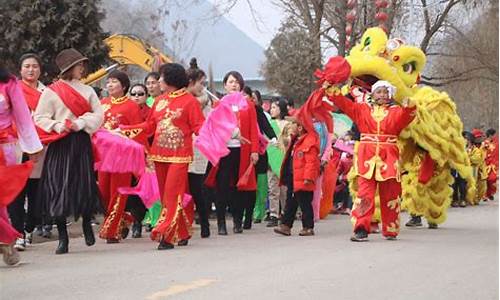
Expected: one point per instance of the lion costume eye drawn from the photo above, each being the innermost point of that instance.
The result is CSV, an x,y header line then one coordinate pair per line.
x,y
409,67
367,43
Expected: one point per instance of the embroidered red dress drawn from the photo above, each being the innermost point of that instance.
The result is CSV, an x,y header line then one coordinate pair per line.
x,y
174,118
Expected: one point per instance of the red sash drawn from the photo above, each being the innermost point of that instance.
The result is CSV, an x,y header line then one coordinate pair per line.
x,y
31,95
73,100
12,179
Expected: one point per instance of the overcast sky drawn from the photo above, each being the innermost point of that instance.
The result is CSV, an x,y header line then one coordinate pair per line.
x,y
269,15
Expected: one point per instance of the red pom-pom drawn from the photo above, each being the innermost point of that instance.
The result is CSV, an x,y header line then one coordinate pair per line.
x,y
336,70
381,16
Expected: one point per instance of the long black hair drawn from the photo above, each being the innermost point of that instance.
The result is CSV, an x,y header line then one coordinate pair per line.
x,y
283,105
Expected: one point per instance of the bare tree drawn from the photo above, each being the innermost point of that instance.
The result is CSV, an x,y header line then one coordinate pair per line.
x,y
363,14
466,65
281,69
434,21
143,21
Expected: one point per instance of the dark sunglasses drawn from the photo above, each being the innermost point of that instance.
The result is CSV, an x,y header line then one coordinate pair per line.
x,y
137,94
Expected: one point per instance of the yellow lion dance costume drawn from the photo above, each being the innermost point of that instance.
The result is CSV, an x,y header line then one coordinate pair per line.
x,y
436,131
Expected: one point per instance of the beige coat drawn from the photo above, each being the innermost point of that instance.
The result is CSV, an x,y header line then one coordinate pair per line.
x,y
51,113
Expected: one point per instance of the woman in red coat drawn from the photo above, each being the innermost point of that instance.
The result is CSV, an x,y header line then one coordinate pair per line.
x,y
118,110
299,173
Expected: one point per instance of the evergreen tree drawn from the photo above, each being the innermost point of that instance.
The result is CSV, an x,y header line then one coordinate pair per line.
x,y
48,26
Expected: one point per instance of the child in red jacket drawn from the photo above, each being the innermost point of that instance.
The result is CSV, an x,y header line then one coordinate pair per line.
x,y
299,172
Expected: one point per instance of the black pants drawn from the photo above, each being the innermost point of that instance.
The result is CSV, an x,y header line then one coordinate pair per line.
x,y
459,189
226,193
136,207
196,190
248,203
21,219
304,199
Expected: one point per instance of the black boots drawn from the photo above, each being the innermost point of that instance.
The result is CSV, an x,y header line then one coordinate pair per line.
x,y
237,226
205,231
247,223
63,236
221,227
165,246
183,243
137,230
88,232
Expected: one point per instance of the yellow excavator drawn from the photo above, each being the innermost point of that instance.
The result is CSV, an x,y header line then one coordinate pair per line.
x,y
129,50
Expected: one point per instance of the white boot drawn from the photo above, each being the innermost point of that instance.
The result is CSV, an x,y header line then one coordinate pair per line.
x,y
20,244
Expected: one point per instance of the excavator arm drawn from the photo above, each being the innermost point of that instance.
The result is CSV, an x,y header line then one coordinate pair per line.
x,y
129,50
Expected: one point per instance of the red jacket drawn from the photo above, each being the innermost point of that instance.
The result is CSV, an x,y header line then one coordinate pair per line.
x,y
122,112
249,130
305,162
173,119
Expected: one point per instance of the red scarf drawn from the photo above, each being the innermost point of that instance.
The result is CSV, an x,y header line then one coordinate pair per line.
x,y
73,100
31,95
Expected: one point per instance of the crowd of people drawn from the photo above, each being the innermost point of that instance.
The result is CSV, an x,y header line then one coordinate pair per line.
x,y
257,165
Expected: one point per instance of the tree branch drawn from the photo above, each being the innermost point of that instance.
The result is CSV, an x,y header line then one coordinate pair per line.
x,y
455,75
443,83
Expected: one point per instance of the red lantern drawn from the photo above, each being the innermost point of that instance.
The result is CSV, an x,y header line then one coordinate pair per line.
x,y
381,16
351,16
348,29
381,3
351,3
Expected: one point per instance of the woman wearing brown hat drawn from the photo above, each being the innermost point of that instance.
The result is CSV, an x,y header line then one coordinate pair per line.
x,y
68,113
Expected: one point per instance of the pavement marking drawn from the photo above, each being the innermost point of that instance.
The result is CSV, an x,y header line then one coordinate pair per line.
x,y
180,288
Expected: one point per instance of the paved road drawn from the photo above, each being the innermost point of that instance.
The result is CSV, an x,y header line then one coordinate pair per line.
x,y
457,261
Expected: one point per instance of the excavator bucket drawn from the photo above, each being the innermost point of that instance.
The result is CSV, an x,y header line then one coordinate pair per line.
x,y
129,50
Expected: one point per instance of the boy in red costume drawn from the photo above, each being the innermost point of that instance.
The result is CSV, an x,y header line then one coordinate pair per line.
x,y
377,163
299,172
